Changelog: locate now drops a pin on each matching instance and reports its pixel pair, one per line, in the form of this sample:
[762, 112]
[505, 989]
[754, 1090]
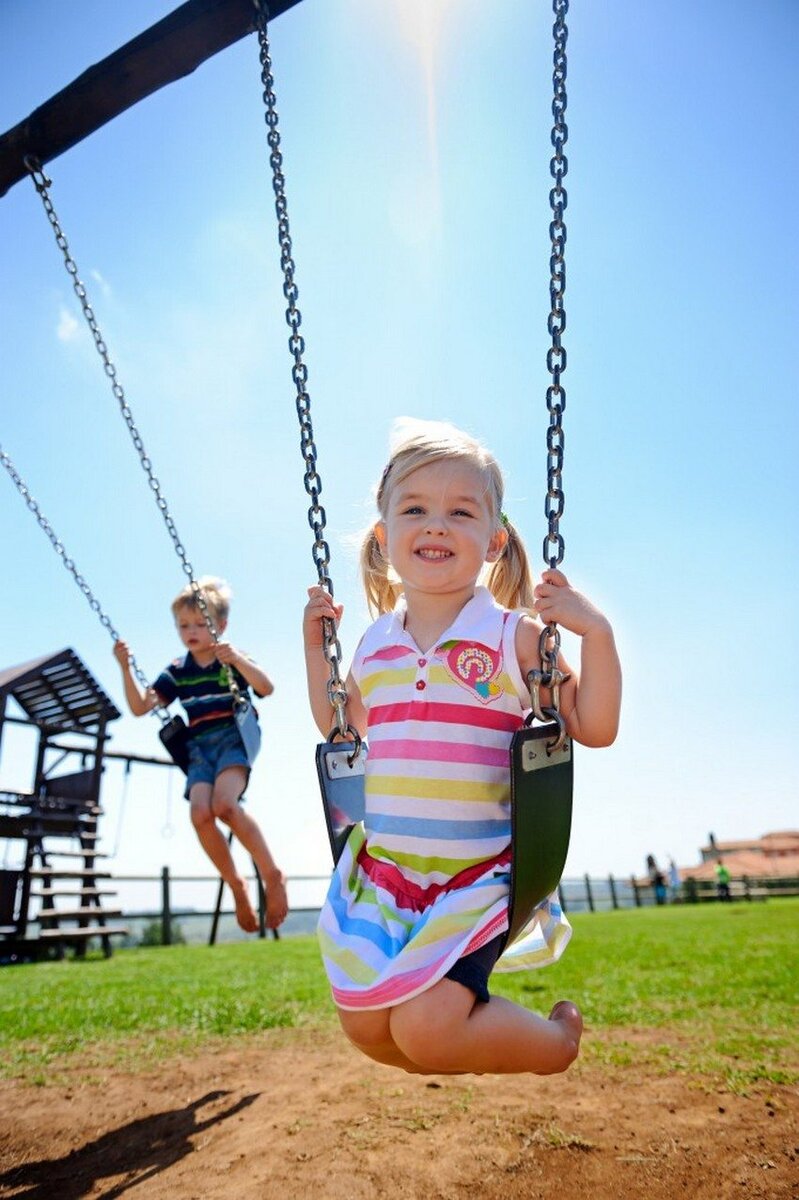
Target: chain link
[42, 185]
[317, 519]
[69, 563]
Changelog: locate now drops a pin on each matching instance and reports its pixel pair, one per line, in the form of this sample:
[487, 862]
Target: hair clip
[504, 519]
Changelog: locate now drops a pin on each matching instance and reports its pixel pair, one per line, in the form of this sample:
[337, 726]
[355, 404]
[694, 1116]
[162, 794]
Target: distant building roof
[770, 844]
[747, 862]
[770, 856]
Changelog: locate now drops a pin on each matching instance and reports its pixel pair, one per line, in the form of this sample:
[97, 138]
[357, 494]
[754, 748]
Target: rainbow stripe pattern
[425, 881]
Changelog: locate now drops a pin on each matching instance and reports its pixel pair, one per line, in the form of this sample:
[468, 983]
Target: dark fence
[582, 894]
[179, 921]
[743, 887]
[600, 894]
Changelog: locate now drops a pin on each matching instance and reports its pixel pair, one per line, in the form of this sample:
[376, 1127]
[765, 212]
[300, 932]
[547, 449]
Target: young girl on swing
[414, 918]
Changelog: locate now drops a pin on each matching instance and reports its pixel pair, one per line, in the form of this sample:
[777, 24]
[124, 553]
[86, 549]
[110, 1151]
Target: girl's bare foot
[245, 913]
[277, 901]
[572, 1020]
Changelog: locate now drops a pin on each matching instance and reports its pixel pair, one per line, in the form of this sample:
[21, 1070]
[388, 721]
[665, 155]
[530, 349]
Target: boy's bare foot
[245, 913]
[277, 901]
[572, 1019]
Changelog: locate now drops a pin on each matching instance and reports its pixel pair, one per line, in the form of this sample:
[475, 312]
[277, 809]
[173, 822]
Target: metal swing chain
[42, 185]
[69, 563]
[336, 690]
[549, 643]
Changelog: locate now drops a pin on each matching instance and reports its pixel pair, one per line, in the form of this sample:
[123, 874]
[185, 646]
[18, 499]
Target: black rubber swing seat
[541, 811]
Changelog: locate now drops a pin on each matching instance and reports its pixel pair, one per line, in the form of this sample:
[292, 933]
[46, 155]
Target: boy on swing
[218, 767]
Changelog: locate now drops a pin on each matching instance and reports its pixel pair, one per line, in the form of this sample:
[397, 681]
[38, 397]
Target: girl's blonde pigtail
[509, 579]
[381, 591]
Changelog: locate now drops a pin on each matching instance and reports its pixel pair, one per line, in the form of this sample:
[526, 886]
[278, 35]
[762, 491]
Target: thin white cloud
[105, 287]
[68, 328]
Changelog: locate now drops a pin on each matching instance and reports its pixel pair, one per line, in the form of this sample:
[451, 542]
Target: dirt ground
[299, 1115]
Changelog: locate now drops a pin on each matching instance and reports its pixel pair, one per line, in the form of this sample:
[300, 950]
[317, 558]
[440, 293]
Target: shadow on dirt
[138, 1151]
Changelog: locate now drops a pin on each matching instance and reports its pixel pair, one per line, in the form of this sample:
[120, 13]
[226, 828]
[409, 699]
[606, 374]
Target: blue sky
[416, 142]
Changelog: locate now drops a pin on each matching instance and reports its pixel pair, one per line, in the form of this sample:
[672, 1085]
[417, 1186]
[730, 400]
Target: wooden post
[636, 895]
[588, 894]
[613, 897]
[166, 911]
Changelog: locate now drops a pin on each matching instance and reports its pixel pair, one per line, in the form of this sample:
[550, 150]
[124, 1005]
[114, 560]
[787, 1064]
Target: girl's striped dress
[425, 881]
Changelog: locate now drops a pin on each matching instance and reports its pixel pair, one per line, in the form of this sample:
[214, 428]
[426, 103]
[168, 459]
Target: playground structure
[55, 897]
[58, 887]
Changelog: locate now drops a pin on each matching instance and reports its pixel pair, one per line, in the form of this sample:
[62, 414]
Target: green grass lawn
[714, 985]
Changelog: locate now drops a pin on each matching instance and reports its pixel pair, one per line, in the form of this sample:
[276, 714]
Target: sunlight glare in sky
[424, 24]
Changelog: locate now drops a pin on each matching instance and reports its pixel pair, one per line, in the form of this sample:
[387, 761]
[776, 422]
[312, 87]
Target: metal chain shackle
[69, 563]
[317, 519]
[42, 185]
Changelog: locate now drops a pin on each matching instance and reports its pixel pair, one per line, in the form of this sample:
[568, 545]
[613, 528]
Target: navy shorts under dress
[474, 969]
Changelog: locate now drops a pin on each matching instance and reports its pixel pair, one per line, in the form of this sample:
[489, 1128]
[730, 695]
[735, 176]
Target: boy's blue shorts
[211, 753]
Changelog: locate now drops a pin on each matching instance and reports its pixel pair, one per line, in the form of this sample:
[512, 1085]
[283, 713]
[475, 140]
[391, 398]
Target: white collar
[480, 620]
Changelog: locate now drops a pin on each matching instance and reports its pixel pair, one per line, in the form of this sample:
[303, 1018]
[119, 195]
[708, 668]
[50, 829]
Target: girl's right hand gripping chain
[320, 607]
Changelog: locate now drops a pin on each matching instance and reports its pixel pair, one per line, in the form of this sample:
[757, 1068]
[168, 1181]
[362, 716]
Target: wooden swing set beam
[167, 51]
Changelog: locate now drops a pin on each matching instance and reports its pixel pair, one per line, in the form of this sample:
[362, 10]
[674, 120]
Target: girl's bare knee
[365, 1029]
[370, 1033]
[418, 1044]
[425, 1029]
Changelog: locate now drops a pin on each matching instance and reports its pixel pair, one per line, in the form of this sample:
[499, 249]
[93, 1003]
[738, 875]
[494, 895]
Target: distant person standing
[722, 881]
[657, 879]
[675, 882]
[659, 883]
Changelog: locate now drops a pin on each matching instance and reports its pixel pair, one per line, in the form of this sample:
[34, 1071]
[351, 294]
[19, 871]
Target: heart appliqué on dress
[475, 667]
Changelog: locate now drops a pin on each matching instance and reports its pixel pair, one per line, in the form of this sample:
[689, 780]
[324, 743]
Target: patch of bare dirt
[300, 1115]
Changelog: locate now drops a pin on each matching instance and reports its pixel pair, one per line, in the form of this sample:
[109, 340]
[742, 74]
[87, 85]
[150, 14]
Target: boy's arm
[256, 676]
[139, 701]
[591, 702]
